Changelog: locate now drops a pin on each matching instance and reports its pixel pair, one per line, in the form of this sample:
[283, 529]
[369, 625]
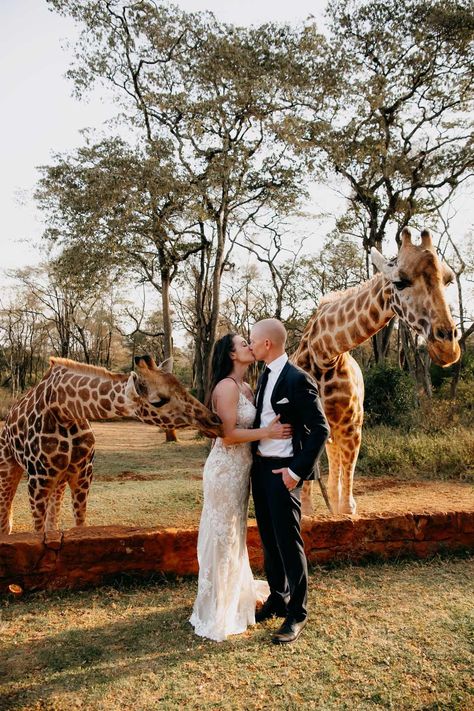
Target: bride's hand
[276, 430]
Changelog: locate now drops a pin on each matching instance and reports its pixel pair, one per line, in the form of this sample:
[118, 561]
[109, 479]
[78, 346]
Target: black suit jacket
[302, 409]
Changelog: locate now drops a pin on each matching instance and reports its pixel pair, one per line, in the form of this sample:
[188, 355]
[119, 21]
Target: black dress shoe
[268, 610]
[289, 631]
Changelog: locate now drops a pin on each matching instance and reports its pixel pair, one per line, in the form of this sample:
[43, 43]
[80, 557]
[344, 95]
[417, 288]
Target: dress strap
[229, 377]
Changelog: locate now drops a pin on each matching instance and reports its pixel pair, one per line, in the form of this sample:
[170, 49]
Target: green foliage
[390, 396]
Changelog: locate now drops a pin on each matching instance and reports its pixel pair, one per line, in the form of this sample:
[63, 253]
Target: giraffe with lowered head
[411, 287]
[48, 435]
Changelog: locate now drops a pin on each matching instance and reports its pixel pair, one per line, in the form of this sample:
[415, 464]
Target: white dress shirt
[274, 447]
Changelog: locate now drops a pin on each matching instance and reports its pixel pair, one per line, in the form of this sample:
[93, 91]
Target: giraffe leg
[10, 475]
[80, 484]
[54, 505]
[334, 477]
[349, 459]
[39, 495]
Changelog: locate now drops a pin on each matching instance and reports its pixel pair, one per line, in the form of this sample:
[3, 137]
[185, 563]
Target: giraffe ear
[167, 365]
[378, 260]
[388, 269]
[447, 274]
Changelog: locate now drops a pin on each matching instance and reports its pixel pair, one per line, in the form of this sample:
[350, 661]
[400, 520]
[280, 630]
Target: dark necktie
[260, 394]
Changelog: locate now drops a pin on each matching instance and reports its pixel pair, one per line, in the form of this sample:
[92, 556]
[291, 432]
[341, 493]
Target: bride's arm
[226, 400]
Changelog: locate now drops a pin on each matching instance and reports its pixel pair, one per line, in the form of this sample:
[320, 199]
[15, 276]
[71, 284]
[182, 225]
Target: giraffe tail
[322, 486]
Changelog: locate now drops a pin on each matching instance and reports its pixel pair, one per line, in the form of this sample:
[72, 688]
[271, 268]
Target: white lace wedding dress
[227, 592]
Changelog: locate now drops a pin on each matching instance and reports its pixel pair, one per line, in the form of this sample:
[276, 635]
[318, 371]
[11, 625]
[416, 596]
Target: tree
[212, 93]
[461, 261]
[23, 338]
[123, 211]
[55, 302]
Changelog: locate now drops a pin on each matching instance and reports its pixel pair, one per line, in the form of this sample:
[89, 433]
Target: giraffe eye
[401, 284]
[160, 402]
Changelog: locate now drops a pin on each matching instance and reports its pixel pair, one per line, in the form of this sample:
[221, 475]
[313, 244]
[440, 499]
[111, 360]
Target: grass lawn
[380, 637]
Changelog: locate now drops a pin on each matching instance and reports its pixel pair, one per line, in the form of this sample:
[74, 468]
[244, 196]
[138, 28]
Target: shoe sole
[279, 640]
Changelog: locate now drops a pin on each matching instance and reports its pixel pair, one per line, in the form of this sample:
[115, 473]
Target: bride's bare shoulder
[226, 387]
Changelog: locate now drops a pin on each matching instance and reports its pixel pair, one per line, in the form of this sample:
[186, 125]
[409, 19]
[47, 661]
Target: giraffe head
[160, 399]
[419, 279]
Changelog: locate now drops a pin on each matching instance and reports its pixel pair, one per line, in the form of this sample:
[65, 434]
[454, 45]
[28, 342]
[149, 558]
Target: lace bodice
[245, 419]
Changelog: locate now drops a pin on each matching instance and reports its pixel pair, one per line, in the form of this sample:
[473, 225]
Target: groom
[279, 468]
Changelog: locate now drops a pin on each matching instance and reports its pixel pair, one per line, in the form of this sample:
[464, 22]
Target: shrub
[390, 396]
[417, 455]
[441, 413]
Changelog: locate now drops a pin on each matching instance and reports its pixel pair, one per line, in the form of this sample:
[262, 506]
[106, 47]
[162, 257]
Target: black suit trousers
[278, 513]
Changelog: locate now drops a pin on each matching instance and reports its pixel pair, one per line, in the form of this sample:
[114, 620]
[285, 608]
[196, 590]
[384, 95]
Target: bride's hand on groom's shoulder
[277, 430]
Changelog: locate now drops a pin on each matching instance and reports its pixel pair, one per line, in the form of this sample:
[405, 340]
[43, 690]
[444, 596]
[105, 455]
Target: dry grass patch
[380, 637]
[139, 480]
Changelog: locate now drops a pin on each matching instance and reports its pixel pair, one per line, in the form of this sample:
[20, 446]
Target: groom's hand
[288, 480]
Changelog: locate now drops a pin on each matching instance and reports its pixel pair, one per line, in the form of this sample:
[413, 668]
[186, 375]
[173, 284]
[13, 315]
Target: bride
[227, 592]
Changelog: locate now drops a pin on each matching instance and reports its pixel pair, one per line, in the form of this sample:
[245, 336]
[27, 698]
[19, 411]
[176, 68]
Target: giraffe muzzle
[443, 346]
[213, 427]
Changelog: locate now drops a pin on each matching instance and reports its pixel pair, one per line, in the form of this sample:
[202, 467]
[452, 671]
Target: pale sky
[40, 117]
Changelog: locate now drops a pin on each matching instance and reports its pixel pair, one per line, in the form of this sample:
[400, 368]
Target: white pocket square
[283, 401]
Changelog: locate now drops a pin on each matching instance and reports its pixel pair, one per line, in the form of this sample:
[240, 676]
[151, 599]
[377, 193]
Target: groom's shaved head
[272, 329]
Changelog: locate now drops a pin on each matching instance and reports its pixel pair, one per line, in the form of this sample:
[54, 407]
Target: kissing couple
[272, 440]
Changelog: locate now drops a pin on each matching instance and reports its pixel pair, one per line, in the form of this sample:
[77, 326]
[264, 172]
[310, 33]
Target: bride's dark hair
[222, 363]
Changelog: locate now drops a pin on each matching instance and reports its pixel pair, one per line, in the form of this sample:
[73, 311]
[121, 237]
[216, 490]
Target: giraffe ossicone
[47, 432]
[411, 287]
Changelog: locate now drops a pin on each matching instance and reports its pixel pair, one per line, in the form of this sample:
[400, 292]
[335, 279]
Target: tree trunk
[458, 366]
[381, 342]
[171, 435]
[453, 390]
[200, 377]
[418, 363]
[166, 310]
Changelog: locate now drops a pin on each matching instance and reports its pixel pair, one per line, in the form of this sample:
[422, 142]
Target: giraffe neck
[345, 320]
[86, 392]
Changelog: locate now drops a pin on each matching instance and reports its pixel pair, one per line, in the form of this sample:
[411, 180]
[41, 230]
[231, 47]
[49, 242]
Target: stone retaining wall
[82, 557]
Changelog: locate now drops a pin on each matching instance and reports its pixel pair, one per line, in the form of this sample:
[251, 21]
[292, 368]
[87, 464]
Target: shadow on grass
[82, 658]
[179, 462]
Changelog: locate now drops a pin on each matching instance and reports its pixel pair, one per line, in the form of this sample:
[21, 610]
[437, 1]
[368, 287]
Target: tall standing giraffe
[411, 286]
[47, 433]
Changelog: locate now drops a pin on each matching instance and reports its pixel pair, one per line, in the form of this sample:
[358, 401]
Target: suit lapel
[280, 382]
